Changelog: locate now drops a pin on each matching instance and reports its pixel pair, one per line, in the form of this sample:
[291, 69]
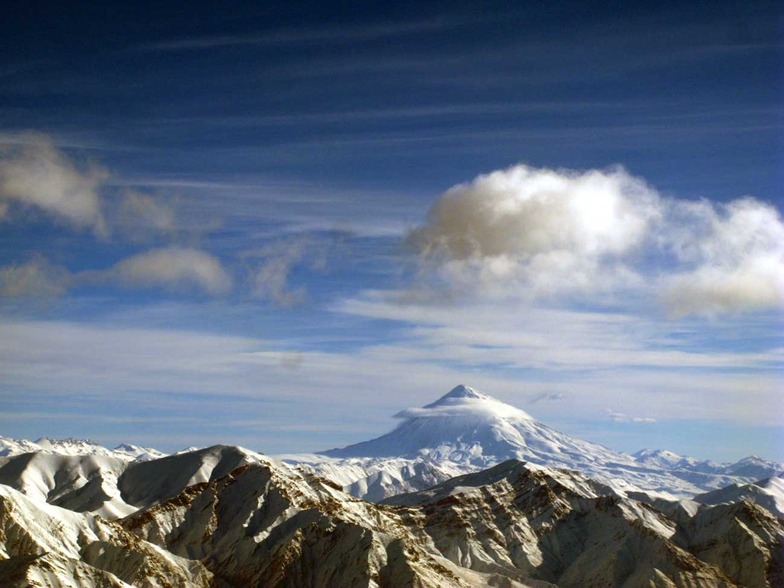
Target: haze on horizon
[278, 226]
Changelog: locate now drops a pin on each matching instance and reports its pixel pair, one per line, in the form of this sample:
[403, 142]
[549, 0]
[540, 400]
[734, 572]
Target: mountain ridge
[466, 430]
[226, 515]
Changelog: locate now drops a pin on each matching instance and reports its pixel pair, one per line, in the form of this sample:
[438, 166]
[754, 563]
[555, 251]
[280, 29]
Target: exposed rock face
[743, 539]
[227, 516]
[562, 528]
[43, 545]
[265, 525]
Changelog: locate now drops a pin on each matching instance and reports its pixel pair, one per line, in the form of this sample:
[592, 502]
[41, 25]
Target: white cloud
[36, 278]
[676, 369]
[465, 407]
[525, 212]
[505, 335]
[173, 268]
[84, 364]
[139, 216]
[170, 268]
[619, 417]
[35, 174]
[271, 279]
[538, 231]
[532, 233]
[736, 254]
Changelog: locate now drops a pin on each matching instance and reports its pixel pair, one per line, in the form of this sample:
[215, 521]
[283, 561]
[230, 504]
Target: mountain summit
[459, 392]
[465, 402]
[470, 428]
[466, 430]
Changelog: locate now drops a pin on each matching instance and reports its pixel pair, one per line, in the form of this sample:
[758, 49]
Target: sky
[278, 224]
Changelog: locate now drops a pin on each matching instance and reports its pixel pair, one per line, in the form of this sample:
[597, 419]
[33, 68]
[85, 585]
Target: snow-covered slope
[43, 545]
[114, 487]
[226, 516]
[690, 468]
[512, 525]
[10, 446]
[463, 426]
[563, 528]
[138, 453]
[71, 446]
[265, 524]
[466, 430]
[82, 483]
[767, 493]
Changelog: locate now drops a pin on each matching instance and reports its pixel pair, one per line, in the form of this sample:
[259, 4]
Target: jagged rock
[265, 525]
[44, 545]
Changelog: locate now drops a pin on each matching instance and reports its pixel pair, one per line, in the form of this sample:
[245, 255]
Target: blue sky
[278, 225]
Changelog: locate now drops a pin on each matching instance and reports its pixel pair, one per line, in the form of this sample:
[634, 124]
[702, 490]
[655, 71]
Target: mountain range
[124, 451]
[465, 431]
[468, 491]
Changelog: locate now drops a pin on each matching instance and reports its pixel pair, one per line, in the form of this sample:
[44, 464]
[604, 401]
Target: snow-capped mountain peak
[466, 430]
[461, 391]
[71, 446]
[138, 453]
[464, 401]
[469, 429]
[74, 446]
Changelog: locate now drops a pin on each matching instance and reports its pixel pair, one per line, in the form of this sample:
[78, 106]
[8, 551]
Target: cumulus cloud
[36, 278]
[173, 268]
[529, 212]
[736, 252]
[170, 268]
[35, 174]
[541, 232]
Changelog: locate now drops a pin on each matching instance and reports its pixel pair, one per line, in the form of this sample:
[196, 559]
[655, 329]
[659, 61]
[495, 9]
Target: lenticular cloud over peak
[534, 232]
[463, 401]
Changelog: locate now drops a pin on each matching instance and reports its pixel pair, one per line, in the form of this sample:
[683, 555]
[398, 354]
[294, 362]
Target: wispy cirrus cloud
[324, 34]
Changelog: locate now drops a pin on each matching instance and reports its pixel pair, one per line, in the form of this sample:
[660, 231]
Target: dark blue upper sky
[410, 95]
[277, 155]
